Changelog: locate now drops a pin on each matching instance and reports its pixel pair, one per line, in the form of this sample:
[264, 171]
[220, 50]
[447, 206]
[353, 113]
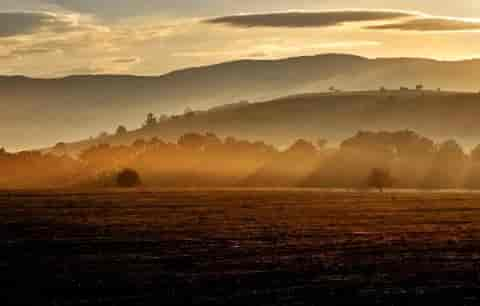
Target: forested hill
[334, 116]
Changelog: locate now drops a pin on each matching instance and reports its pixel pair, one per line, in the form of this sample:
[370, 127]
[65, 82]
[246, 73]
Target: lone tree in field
[379, 179]
[128, 178]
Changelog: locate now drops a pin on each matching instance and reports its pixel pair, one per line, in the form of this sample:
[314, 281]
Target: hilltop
[334, 116]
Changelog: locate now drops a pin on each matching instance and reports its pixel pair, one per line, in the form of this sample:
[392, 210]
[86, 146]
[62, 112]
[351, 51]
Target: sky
[54, 38]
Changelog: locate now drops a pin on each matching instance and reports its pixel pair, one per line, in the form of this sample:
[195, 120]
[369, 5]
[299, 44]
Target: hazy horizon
[187, 68]
[79, 108]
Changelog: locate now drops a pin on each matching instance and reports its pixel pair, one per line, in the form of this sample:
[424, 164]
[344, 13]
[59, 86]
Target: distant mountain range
[38, 112]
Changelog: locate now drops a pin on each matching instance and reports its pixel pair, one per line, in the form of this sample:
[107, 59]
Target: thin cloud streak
[433, 24]
[277, 51]
[27, 23]
[309, 19]
[386, 19]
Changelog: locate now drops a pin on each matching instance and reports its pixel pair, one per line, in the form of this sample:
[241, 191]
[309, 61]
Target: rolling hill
[332, 116]
[38, 112]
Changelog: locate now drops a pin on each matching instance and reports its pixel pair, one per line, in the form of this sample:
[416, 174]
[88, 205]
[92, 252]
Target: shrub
[380, 179]
[128, 178]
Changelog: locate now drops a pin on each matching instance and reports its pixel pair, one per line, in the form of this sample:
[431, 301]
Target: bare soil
[239, 247]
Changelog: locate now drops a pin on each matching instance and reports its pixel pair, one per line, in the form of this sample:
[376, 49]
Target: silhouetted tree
[378, 146]
[379, 179]
[121, 130]
[447, 167]
[60, 148]
[410, 145]
[302, 147]
[150, 121]
[103, 135]
[128, 178]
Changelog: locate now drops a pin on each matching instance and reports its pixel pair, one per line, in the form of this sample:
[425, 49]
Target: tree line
[401, 159]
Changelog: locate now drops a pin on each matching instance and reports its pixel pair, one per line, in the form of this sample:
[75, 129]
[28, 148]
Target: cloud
[27, 23]
[39, 34]
[384, 19]
[24, 34]
[431, 24]
[277, 50]
[121, 9]
[308, 19]
[126, 60]
[88, 70]
[21, 52]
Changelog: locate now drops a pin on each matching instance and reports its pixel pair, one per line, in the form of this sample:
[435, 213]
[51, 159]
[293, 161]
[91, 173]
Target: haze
[58, 38]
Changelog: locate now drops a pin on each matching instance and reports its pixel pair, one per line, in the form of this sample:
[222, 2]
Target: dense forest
[401, 159]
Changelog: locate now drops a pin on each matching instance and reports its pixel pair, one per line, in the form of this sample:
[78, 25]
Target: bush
[380, 179]
[128, 178]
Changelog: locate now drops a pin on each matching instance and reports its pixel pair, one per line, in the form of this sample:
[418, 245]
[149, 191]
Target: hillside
[333, 116]
[76, 107]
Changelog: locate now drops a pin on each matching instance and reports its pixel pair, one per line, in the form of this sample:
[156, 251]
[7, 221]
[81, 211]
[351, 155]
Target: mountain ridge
[46, 111]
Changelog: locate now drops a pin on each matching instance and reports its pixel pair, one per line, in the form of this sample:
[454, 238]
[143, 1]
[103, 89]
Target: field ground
[239, 247]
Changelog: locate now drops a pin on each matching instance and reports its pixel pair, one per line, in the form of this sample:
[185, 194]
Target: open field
[239, 247]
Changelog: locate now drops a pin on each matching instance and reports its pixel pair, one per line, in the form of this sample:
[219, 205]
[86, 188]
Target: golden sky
[49, 38]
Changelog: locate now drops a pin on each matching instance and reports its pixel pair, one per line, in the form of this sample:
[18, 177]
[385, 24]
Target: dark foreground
[238, 247]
